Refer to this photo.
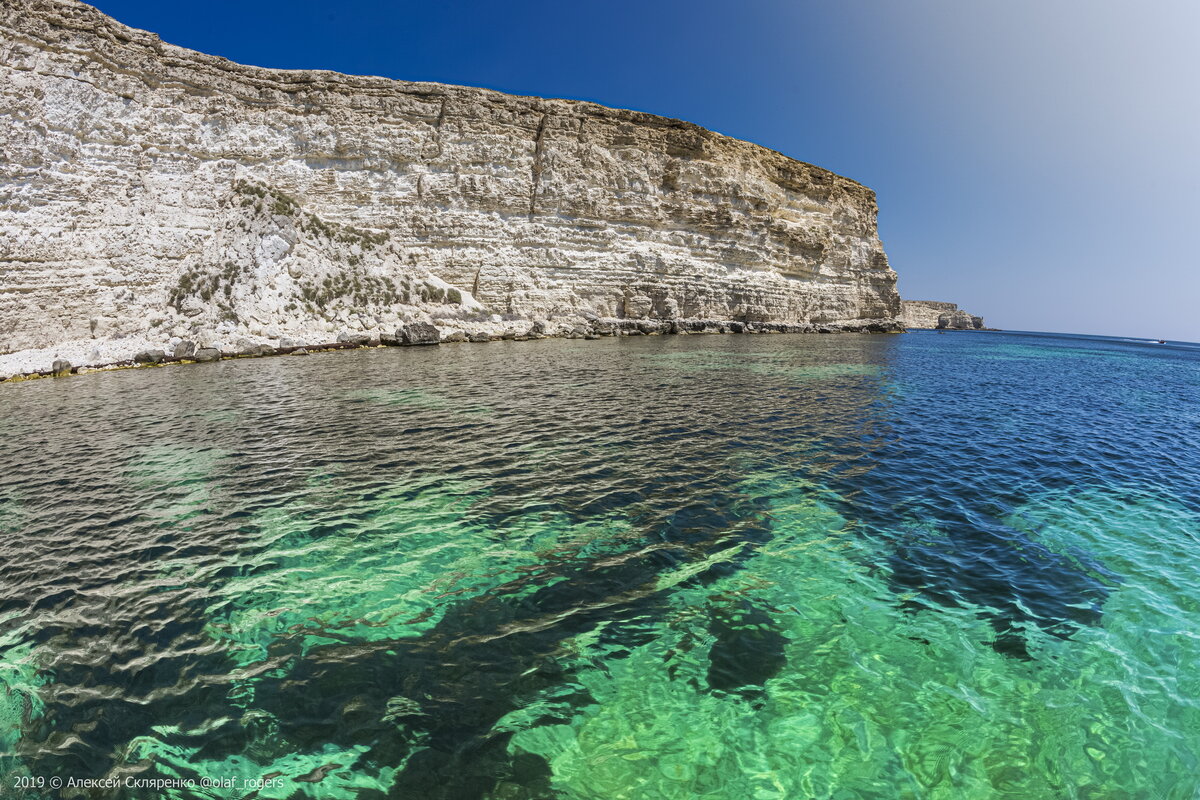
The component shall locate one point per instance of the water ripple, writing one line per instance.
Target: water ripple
(919, 566)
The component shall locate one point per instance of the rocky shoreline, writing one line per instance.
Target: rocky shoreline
(425, 333)
(157, 193)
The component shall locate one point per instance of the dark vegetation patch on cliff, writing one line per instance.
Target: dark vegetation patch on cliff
(341, 281)
(263, 198)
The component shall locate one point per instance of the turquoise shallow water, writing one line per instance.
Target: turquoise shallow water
(919, 566)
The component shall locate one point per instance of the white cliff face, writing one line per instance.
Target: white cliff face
(924, 313)
(936, 314)
(150, 192)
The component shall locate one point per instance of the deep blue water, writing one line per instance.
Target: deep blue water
(932, 565)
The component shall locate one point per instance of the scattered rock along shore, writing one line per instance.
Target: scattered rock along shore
(422, 333)
(151, 194)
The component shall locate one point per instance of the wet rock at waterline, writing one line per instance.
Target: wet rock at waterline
(149, 357)
(415, 333)
(360, 339)
(207, 354)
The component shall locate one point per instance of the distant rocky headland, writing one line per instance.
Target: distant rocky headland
(937, 315)
(156, 198)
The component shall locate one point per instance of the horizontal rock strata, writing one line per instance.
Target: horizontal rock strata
(933, 314)
(150, 193)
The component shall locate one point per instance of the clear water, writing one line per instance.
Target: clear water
(919, 566)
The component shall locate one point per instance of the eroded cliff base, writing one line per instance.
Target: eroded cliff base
(89, 358)
(151, 195)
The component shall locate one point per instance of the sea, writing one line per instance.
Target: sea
(948, 566)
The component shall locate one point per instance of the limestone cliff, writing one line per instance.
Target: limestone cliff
(935, 314)
(148, 191)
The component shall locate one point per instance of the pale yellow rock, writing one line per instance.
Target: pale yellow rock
(150, 192)
(936, 314)
(923, 313)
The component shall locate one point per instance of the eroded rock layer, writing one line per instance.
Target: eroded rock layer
(936, 314)
(149, 192)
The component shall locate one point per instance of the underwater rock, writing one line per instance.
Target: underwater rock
(748, 649)
(1009, 578)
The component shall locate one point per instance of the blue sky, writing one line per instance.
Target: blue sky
(1035, 161)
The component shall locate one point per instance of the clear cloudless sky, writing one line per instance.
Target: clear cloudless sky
(1035, 160)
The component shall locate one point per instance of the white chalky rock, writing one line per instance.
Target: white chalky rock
(141, 181)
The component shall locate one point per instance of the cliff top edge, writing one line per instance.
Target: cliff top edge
(33, 17)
